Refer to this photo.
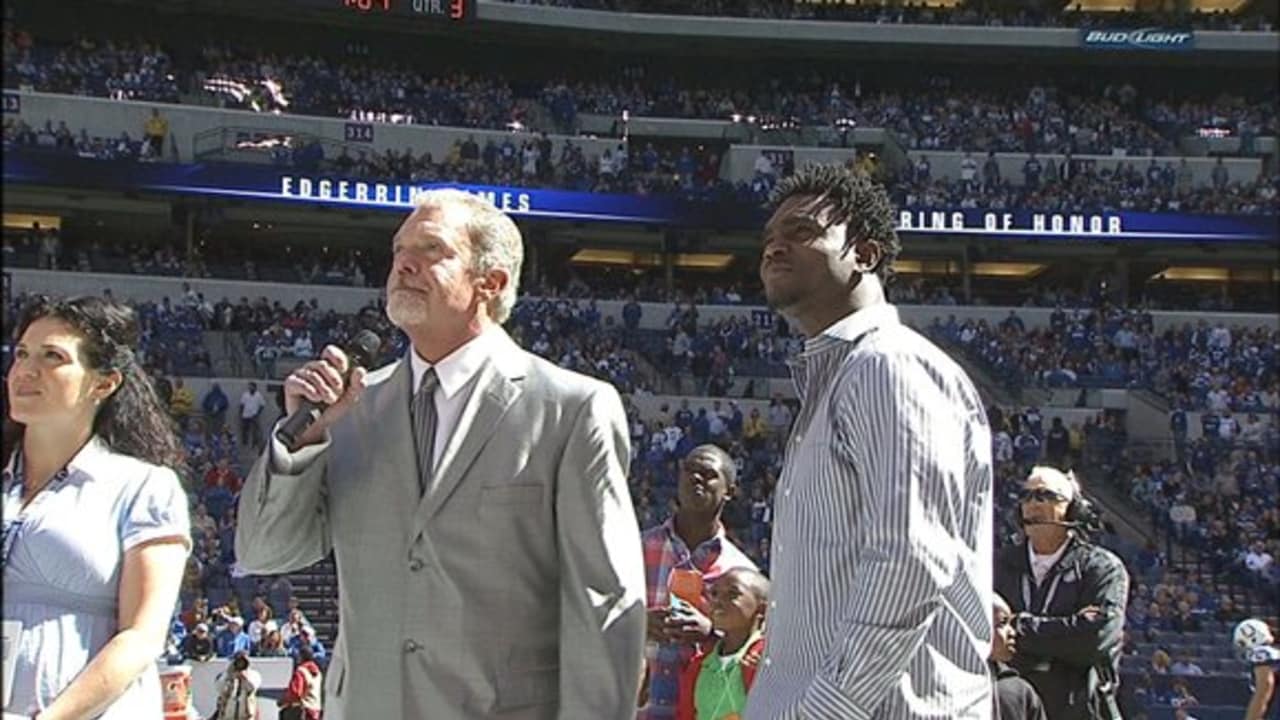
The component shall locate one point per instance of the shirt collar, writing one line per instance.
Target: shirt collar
(855, 324)
(85, 460)
(737, 655)
(1047, 561)
(457, 368)
(670, 525)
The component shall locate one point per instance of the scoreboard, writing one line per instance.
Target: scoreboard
(449, 11)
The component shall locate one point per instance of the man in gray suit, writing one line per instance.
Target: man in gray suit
(487, 549)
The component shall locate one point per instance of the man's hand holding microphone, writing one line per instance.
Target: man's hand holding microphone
(320, 392)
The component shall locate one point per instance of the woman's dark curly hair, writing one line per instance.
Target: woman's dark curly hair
(849, 196)
(132, 420)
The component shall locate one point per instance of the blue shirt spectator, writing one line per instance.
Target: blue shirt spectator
(215, 405)
(631, 313)
(233, 639)
(308, 637)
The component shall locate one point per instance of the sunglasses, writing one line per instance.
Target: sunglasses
(1041, 495)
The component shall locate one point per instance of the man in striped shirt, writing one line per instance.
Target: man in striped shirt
(882, 536)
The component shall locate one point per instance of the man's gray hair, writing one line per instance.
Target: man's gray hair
(495, 242)
(1059, 480)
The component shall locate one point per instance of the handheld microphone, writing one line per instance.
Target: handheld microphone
(362, 350)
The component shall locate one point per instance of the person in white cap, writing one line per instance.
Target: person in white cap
(1069, 598)
(233, 639)
(306, 637)
(199, 645)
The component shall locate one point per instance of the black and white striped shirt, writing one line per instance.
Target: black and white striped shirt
(882, 536)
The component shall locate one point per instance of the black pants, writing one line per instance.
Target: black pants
(250, 433)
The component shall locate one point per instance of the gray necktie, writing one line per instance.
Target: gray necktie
(424, 428)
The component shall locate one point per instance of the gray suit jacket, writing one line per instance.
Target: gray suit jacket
(513, 589)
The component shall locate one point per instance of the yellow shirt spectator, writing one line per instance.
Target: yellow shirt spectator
(183, 401)
(868, 163)
(157, 126)
(754, 427)
(156, 130)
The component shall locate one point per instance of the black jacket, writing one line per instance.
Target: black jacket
(1073, 662)
(197, 648)
(1016, 699)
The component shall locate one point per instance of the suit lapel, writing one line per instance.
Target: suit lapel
(388, 424)
(493, 395)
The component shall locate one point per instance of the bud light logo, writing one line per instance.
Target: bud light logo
(1140, 39)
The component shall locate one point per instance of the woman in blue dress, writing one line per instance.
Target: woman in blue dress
(95, 520)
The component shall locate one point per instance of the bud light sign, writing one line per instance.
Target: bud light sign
(1140, 39)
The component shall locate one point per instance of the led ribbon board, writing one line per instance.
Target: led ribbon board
(270, 184)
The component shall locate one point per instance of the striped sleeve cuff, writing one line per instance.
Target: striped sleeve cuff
(824, 700)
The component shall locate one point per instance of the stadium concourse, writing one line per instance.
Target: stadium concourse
(1090, 230)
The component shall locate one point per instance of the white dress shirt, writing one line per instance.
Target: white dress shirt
(251, 403)
(882, 535)
(1042, 564)
(456, 372)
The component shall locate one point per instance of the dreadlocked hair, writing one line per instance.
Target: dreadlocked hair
(849, 196)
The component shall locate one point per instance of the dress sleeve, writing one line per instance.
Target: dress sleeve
(157, 510)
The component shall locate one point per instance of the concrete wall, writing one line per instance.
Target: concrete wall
(110, 118)
(103, 117)
(150, 288)
(739, 163)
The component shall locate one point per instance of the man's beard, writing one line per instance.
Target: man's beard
(407, 309)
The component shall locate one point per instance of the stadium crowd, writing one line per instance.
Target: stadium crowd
(1216, 367)
(1074, 186)
(59, 138)
(1091, 341)
(941, 112)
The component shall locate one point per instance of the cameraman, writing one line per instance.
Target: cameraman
(1069, 597)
